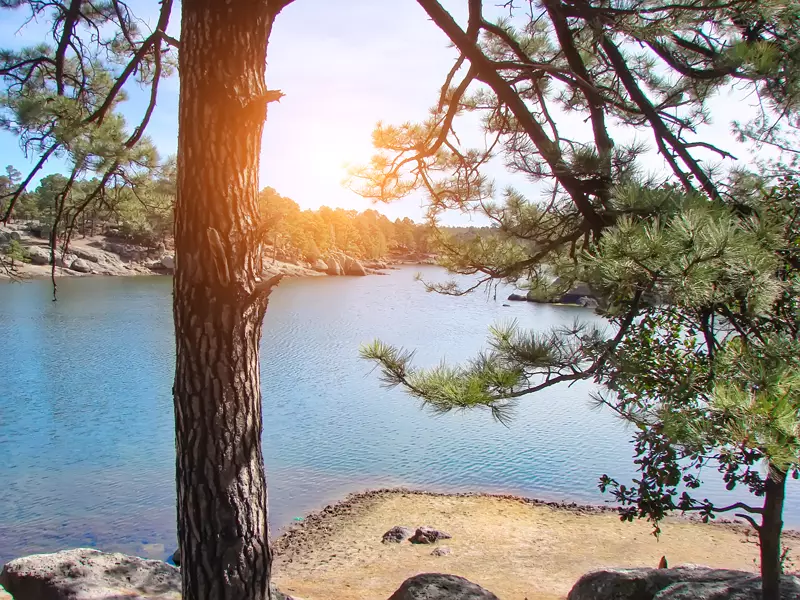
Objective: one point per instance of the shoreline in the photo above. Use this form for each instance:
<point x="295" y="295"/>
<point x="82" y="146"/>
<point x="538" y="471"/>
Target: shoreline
<point x="99" y="256"/>
<point x="355" y="500"/>
<point x="515" y="546"/>
<point x="519" y="547"/>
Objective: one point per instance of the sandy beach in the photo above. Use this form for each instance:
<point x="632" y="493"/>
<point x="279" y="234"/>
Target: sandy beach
<point x="517" y="548"/>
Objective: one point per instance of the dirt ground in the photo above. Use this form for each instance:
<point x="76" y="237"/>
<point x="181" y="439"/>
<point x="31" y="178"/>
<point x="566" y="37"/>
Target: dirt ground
<point x="515" y="548"/>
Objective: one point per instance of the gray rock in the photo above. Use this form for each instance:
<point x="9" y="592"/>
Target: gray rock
<point x="87" y="574"/>
<point x="334" y="268"/>
<point x="81" y="266"/>
<point x="441" y="551"/>
<point x="353" y="267"/>
<point x="38" y="255"/>
<point x="436" y="586"/>
<point x="168" y="262"/>
<point x="7" y="234"/>
<point x="276" y="594"/>
<point x="428" y="535"/>
<point x="680" y="583"/>
<point x="396" y="534"/>
<point x="65" y="261"/>
<point x="518" y="297"/>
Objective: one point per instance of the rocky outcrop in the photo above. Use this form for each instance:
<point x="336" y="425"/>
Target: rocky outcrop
<point x="436" y="586"/>
<point x="319" y="265"/>
<point x="680" y="583"/>
<point x="38" y="255"/>
<point x="353" y="267"/>
<point x="168" y="262"/>
<point x="396" y="534"/>
<point x="87" y="574"/>
<point x="339" y="263"/>
<point x="428" y="535"/>
<point x="334" y="268"/>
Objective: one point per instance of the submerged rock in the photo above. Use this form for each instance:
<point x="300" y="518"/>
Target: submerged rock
<point x="436" y="586"/>
<point x="680" y="583"/>
<point x="441" y="551"/>
<point x="428" y="535"/>
<point x="396" y="534"/>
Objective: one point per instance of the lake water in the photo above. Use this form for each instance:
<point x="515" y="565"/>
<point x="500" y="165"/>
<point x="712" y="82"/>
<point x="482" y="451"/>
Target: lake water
<point x="86" y="423"/>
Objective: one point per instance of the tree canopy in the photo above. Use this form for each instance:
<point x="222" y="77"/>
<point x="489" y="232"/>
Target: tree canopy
<point x="694" y="263"/>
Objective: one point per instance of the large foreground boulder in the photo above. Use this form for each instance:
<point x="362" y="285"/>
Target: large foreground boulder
<point x="680" y="583"/>
<point x="436" y="586"/>
<point x="87" y="574"/>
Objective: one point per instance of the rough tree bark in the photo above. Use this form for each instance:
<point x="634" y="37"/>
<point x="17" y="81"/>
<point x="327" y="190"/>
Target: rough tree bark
<point x="219" y="301"/>
<point x="769" y="534"/>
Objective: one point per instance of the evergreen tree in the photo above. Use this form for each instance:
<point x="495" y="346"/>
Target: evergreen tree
<point x="61" y="100"/>
<point x="696" y="268"/>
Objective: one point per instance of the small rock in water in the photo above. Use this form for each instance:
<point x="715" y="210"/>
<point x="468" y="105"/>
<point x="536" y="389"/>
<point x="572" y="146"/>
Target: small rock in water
<point x="396" y="535"/>
<point x="428" y="535"/>
<point x="441" y="551"/>
<point x="176" y="557"/>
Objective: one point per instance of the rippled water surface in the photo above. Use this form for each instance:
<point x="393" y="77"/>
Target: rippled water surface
<point x="86" y="423"/>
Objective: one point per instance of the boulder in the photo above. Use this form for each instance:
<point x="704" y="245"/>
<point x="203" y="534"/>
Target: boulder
<point x="680" y="583"/>
<point x="518" y="297"/>
<point x="436" y="586"/>
<point x="65" y="261"/>
<point x="8" y="235"/>
<point x="428" y="535"/>
<point x="396" y="534"/>
<point x="176" y="557"/>
<point x="81" y="266"/>
<point x="579" y="294"/>
<point x="88" y="574"/>
<point x="441" y="551"/>
<point x="38" y="255"/>
<point x="319" y="265"/>
<point x="168" y="262"/>
<point x="353" y="267"/>
<point x="334" y="268"/>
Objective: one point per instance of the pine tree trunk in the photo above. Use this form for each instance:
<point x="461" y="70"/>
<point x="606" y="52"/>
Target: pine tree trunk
<point x="769" y="534"/>
<point x="219" y="301"/>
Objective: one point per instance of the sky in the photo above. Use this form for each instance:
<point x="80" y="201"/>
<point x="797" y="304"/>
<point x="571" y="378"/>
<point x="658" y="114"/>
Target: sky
<point x="343" y="66"/>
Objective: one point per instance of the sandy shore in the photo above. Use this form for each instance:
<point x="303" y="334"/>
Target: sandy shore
<point x="517" y="548"/>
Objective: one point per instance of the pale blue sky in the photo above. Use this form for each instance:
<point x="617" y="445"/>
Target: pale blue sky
<point x="343" y="66"/>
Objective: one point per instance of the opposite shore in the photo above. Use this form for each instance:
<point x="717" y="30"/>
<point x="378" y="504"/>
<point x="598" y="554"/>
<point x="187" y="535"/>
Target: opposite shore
<point x="28" y="255"/>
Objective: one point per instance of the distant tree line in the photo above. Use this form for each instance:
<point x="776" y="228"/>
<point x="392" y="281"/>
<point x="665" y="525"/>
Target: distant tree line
<point x="141" y="211"/>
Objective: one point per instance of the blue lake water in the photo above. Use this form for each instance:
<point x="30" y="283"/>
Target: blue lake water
<point x="86" y="423"/>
